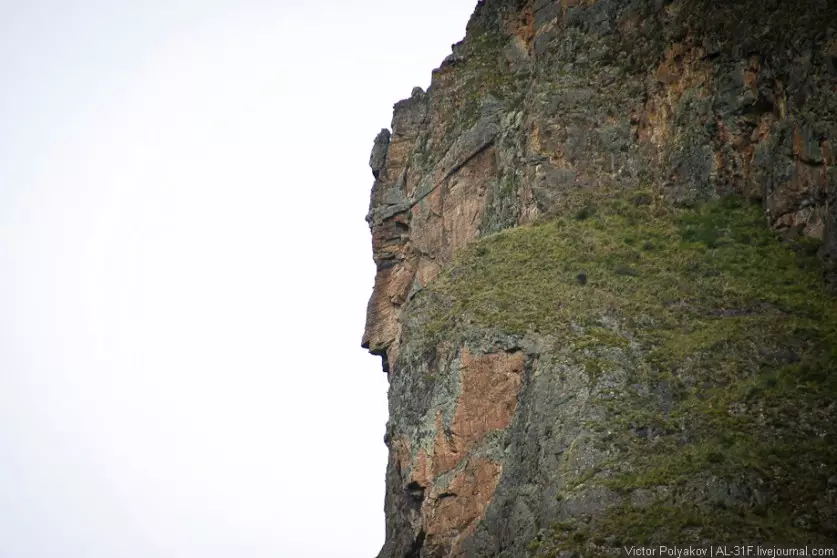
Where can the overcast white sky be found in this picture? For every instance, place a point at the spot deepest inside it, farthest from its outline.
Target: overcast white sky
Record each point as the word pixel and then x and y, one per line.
pixel 184 269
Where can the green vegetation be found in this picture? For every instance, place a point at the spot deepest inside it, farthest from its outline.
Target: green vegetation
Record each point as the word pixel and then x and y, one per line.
pixel 726 339
pixel 697 275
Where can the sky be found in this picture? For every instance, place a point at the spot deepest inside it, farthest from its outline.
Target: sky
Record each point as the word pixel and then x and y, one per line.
pixel 184 270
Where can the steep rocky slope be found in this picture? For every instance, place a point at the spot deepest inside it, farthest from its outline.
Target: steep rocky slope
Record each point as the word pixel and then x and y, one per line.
pixel 604 239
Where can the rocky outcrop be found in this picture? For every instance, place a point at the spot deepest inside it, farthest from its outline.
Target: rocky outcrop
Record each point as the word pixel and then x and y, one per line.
pixel 604 237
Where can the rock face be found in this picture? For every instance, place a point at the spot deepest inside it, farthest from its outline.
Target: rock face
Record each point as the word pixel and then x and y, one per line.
pixel 604 240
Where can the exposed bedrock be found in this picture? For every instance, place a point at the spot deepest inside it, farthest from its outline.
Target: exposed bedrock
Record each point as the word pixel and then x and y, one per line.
pixel 606 247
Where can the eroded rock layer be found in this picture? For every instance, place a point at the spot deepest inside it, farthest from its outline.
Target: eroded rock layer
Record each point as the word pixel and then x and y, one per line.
pixel 604 240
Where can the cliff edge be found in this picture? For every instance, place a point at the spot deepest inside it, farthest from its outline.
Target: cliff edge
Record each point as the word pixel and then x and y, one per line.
pixel 606 244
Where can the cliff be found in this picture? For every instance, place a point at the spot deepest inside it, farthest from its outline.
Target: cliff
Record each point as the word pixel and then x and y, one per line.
pixel 605 240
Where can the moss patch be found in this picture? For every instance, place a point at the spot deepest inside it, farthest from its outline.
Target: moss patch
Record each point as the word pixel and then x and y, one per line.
pixel 694 272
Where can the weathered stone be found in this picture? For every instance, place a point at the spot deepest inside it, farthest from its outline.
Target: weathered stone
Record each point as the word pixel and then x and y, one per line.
pixel 546 109
pixel 379 152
